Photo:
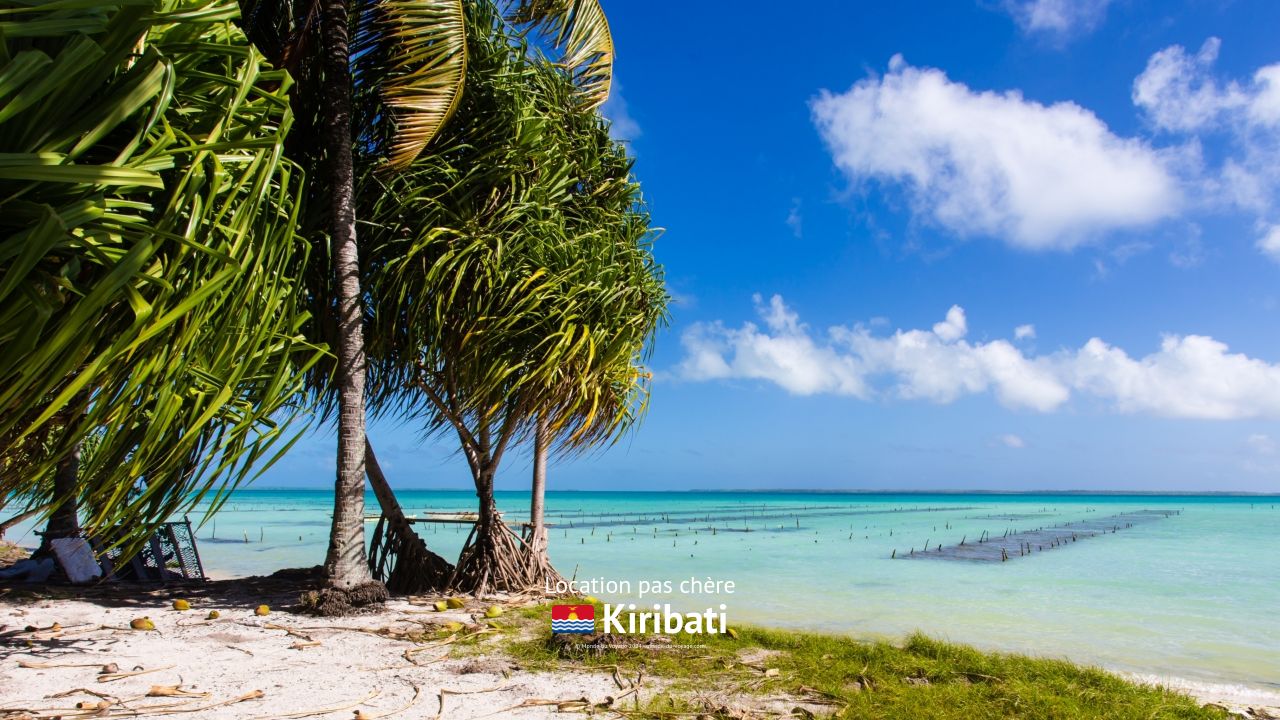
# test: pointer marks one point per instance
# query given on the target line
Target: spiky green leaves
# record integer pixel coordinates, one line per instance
(511, 265)
(148, 261)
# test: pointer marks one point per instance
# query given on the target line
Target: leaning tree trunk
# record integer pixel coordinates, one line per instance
(64, 522)
(346, 567)
(492, 558)
(413, 567)
(538, 568)
(21, 517)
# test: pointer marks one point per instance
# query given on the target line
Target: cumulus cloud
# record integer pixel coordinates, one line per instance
(1179, 92)
(1024, 332)
(1190, 376)
(985, 163)
(782, 353)
(1231, 127)
(1060, 18)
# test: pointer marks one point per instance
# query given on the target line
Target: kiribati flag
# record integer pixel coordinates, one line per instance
(579, 619)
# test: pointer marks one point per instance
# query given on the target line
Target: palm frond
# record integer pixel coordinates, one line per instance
(580, 31)
(426, 62)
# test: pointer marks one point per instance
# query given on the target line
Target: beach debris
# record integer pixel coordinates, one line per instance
(455, 603)
(213, 615)
(493, 611)
(173, 691)
(326, 711)
(142, 623)
(289, 631)
(181, 605)
(262, 610)
(76, 559)
(29, 665)
(446, 691)
(113, 676)
(441, 605)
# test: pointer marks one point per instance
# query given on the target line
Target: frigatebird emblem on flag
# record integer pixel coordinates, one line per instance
(575, 619)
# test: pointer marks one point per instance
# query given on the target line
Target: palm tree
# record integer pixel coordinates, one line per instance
(149, 261)
(408, 60)
(406, 64)
(497, 259)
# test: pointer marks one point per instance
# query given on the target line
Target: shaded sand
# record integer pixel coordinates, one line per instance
(316, 664)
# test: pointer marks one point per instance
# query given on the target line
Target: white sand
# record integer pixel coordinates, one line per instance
(237, 654)
(1236, 698)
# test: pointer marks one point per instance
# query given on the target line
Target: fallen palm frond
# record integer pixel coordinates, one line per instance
(173, 691)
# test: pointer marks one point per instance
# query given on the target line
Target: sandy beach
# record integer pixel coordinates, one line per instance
(281, 665)
(68, 652)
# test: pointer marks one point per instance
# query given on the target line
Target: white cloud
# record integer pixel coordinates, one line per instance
(1177, 91)
(1057, 17)
(1190, 376)
(953, 327)
(622, 126)
(1181, 94)
(1025, 332)
(783, 354)
(1010, 440)
(1269, 243)
(984, 163)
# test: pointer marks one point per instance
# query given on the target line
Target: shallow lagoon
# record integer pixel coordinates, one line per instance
(1195, 595)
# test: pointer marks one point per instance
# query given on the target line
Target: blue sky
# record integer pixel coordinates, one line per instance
(918, 245)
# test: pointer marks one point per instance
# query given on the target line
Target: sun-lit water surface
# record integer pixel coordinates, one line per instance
(1195, 595)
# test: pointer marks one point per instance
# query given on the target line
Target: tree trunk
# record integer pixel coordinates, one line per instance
(65, 520)
(491, 561)
(539, 572)
(415, 569)
(537, 524)
(346, 565)
(20, 517)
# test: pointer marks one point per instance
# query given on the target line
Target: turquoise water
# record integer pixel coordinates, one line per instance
(1195, 595)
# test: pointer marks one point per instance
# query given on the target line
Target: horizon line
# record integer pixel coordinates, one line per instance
(836, 491)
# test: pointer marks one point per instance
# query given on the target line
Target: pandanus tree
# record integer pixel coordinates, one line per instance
(149, 269)
(511, 279)
(405, 66)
